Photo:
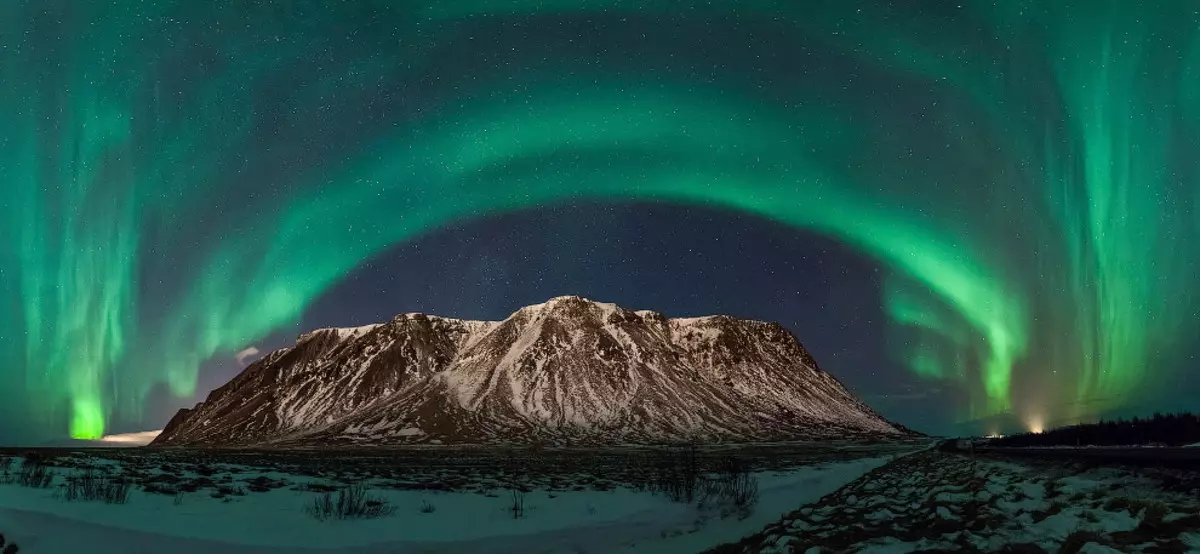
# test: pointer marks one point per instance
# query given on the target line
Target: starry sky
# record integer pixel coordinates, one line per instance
(980, 215)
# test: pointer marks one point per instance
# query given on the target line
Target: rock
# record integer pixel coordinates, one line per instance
(1097, 548)
(943, 513)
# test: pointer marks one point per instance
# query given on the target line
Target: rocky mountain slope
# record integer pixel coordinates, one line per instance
(567, 371)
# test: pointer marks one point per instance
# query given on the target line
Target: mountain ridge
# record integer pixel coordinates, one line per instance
(569, 370)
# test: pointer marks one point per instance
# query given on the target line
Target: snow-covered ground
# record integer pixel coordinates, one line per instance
(943, 502)
(274, 521)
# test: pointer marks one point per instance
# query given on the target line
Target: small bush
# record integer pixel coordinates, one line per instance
(427, 508)
(350, 503)
(517, 507)
(90, 486)
(35, 474)
(741, 486)
(734, 485)
(676, 475)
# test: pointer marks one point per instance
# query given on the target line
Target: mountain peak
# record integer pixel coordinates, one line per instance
(569, 298)
(569, 301)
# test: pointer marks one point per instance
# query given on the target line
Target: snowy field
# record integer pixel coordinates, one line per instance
(209, 505)
(945, 502)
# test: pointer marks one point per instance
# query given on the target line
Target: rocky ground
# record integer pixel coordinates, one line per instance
(946, 502)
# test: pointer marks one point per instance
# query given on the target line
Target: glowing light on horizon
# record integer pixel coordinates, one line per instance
(130, 439)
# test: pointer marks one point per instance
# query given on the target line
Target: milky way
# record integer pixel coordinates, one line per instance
(183, 178)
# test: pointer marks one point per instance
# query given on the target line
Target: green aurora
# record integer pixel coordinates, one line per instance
(183, 178)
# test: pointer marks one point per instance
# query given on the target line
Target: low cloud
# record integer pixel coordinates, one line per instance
(246, 354)
(130, 439)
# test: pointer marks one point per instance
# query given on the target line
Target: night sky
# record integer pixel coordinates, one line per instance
(980, 216)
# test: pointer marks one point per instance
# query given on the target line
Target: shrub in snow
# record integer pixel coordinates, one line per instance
(675, 474)
(427, 508)
(352, 502)
(734, 486)
(515, 470)
(91, 486)
(738, 485)
(517, 507)
(35, 473)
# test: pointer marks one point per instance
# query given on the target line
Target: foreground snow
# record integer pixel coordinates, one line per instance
(274, 522)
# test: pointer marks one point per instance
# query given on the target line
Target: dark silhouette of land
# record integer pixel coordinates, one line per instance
(1160, 430)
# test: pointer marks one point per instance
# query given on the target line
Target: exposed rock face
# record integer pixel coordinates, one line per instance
(567, 370)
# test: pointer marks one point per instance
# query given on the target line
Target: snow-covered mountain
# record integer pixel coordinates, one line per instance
(569, 370)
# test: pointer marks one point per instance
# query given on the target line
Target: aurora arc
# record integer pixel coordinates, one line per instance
(1060, 242)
